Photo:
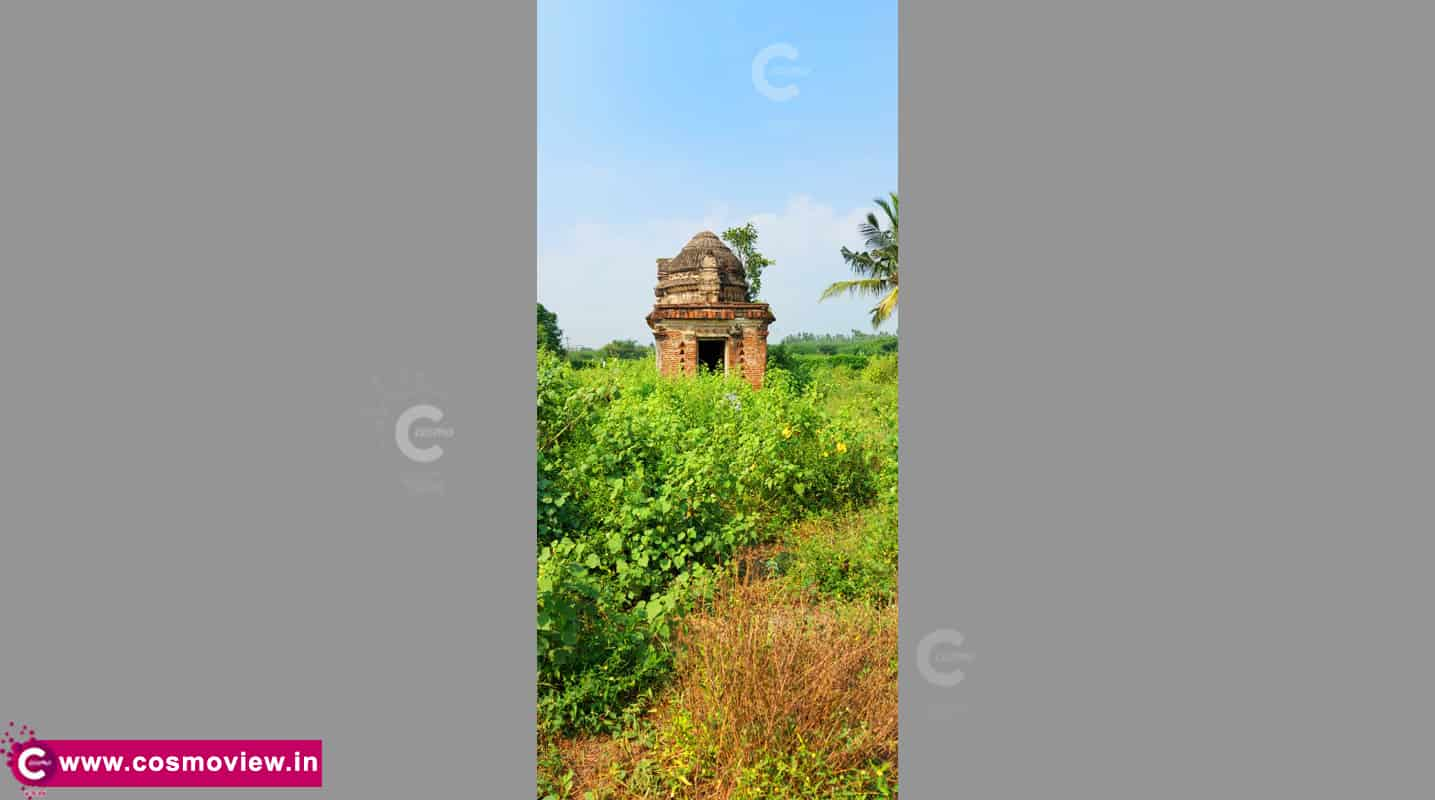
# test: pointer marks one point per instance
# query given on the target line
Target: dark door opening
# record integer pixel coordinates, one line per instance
(710, 354)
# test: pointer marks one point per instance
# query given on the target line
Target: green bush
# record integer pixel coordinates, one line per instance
(881, 370)
(781, 357)
(597, 660)
(645, 484)
(814, 362)
(851, 559)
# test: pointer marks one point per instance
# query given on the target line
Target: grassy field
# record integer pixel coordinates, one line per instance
(717, 582)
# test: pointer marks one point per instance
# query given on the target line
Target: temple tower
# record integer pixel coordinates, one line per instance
(702, 317)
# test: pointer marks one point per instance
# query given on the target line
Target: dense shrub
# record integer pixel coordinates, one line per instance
(852, 558)
(644, 485)
(881, 370)
(781, 357)
(816, 361)
(607, 654)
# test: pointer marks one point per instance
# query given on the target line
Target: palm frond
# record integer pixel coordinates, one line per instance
(884, 309)
(889, 207)
(877, 265)
(861, 263)
(875, 237)
(864, 286)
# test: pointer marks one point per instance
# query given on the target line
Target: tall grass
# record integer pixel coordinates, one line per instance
(779, 696)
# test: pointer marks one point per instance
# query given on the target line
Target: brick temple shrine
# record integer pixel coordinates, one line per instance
(702, 317)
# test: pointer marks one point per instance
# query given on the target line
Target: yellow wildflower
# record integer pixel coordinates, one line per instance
(787, 431)
(841, 447)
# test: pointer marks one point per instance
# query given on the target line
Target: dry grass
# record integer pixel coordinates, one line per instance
(772, 689)
(592, 758)
(765, 674)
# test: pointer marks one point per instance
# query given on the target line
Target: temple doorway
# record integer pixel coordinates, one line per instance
(710, 354)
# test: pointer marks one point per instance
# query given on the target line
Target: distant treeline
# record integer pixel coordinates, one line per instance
(856, 343)
(618, 349)
(853, 349)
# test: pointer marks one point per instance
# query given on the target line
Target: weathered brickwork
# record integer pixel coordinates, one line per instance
(702, 296)
(754, 346)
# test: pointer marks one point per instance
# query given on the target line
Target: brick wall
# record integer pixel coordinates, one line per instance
(690, 353)
(744, 355)
(754, 355)
(677, 352)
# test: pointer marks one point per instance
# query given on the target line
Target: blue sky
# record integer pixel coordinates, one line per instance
(651, 128)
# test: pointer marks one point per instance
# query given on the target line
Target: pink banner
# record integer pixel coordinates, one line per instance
(168, 763)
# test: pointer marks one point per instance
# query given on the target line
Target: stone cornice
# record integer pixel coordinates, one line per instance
(758, 312)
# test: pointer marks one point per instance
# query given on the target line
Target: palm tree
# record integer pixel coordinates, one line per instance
(876, 266)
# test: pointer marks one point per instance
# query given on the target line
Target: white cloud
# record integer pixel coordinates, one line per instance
(598, 277)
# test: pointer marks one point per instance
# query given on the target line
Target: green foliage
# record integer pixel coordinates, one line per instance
(876, 266)
(647, 484)
(555, 779)
(856, 343)
(626, 349)
(550, 336)
(744, 244)
(850, 361)
(584, 357)
(808, 775)
(618, 349)
(881, 370)
(807, 357)
(775, 771)
(850, 559)
(781, 357)
(870, 408)
(597, 659)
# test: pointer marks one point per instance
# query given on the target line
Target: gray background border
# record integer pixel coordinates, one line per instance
(236, 238)
(1165, 388)
(1166, 394)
